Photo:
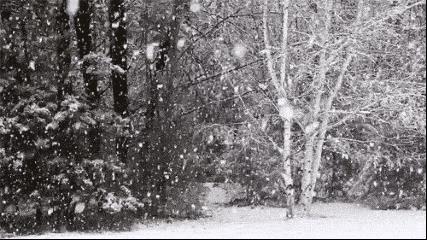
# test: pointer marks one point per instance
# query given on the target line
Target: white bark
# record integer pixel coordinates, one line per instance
(306, 190)
(317, 148)
(284, 52)
(319, 82)
(285, 107)
(270, 61)
(324, 125)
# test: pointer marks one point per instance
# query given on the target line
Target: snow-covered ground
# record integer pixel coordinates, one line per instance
(336, 220)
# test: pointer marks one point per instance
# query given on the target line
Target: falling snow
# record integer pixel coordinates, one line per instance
(181, 43)
(239, 51)
(195, 6)
(212, 119)
(151, 50)
(72, 7)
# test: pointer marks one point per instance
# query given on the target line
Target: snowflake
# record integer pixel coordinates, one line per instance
(239, 51)
(195, 6)
(181, 43)
(72, 7)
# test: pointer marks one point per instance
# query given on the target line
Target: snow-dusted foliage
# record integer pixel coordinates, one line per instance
(230, 159)
(46, 181)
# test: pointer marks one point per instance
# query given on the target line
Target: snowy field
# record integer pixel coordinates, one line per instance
(328, 221)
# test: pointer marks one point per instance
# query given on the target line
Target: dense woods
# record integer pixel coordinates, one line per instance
(116, 111)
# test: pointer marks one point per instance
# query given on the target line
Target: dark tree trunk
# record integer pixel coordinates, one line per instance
(63, 52)
(118, 51)
(14, 17)
(160, 129)
(84, 42)
(83, 20)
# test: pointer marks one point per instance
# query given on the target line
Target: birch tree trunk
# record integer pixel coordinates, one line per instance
(311, 129)
(329, 104)
(283, 103)
(306, 187)
(314, 150)
(324, 126)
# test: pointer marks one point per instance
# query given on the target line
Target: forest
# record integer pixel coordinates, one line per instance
(117, 111)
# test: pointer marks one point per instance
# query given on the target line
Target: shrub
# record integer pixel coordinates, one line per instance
(46, 181)
(394, 186)
(186, 201)
(252, 165)
(71, 194)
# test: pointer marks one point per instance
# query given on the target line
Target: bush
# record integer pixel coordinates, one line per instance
(175, 193)
(336, 172)
(245, 159)
(186, 202)
(395, 186)
(46, 180)
(50, 179)
(378, 171)
(71, 195)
